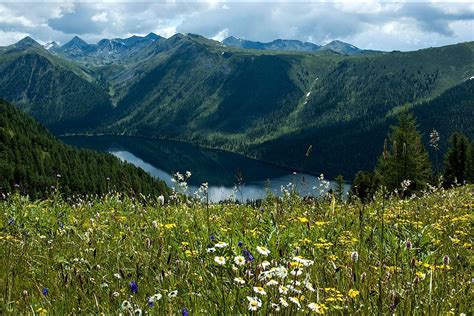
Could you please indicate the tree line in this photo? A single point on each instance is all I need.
(404, 167)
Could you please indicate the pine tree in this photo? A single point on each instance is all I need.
(457, 161)
(363, 186)
(404, 165)
(339, 190)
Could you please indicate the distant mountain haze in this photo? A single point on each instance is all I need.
(269, 101)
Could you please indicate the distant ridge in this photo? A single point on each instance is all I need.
(294, 45)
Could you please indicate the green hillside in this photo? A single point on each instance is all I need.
(54, 91)
(31, 160)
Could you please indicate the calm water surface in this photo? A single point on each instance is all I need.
(163, 158)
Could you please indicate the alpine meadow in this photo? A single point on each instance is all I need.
(236, 158)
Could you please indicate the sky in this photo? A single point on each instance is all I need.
(381, 25)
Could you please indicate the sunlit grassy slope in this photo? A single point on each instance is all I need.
(287, 256)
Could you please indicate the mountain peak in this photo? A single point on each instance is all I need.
(76, 41)
(153, 36)
(51, 45)
(27, 41)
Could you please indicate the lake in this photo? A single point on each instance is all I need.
(221, 170)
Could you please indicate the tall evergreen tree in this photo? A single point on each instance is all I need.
(457, 161)
(404, 165)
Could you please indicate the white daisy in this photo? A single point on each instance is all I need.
(283, 302)
(263, 250)
(259, 290)
(239, 280)
(219, 260)
(272, 283)
(295, 301)
(254, 303)
(239, 260)
(221, 245)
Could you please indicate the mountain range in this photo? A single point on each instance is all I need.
(269, 101)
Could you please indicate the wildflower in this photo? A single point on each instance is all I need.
(115, 294)
(155, 298)
(248, 256)
(126, 305)
(283, 302)
(295, 301)
(283, 289)
(296, 272)
(173, 294)
(353, 293)
(265, 264)
(212, 237)
(254, 303)
(281, 272)
(221, 245)
(239, 280)
(276, 307)
(212, 249)
(154, 224)
(219, 260)
(161, 199)
(45, 291)
(303, 261)
(309, 287)
(354, 256)
(185, 312)
(259, 290)
(446, 260)
(303, 220)
(263, 251)
(134, 287)
(149, 302)
(11, 221)
(408, 245)
(117, 275)
(239, 244)
(239, 260)
(138, 312)
(272, 283)
(317, 308)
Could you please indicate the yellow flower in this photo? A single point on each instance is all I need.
(170, 226)
(353, 293)
(303, 219)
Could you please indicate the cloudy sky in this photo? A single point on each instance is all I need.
(384, 25)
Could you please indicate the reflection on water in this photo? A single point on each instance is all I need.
(162, 159)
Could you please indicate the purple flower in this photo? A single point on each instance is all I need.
(185, 311)
(262, 209)
(45, 291)
(134, 287)
(239, 244)
(11, 221)
(248, 256)
(213, 238)
(150, 302)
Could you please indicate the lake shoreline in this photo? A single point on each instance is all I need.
(267, 162)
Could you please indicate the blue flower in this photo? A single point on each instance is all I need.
(239, 244)
(11, 221)
(213, 237)
(45, 291)
(248, 256)
(150, 302)
(185, 311)
(134, 287)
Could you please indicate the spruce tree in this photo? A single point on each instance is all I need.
(457, 161)
(404, 165)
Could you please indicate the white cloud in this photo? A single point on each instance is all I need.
(102, 17)
(221, 35)
(385, 25)
(7, 38)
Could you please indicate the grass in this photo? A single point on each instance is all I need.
(60, 256)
